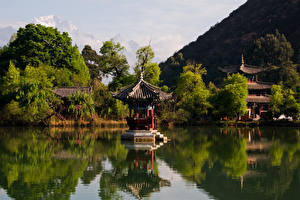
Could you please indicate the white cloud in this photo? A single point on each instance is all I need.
(79, 38)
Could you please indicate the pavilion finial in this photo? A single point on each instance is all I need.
(141, 75)
(243, 61)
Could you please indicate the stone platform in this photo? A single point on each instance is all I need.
(131, 145)
(143, 136)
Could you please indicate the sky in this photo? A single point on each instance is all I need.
(167, 25)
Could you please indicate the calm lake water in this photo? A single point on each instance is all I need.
(198, 163)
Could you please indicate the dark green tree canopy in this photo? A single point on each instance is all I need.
(113, 58)
(114, 63)
(92, 61)
(272, 49)
(36, 44)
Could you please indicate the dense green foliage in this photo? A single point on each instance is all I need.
(36, 44)
(92, 61)
(28, 95)
(38, 59)
(272, 49)
(284, 102)
(230, 100)
(195, 102)
(81, 105)
(115, 64)
(192, 92)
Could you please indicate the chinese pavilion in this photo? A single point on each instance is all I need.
(142, 99)
(258, 99)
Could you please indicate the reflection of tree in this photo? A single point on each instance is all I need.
(29, 171)
(230, 151)
(276, 174)
(202, 151)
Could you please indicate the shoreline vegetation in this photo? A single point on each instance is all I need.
(122, 123)
(94, 122)
(45, 80)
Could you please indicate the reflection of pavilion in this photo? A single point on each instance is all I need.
(142, 146)
(142, 176)
(257, 151)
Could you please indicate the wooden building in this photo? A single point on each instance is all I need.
(142, 99)
(63, 93)
(258, 99)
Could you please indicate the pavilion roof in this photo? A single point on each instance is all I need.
(67, 91)
(258, 99)
(251, 69)
(259, 85)
(141, 90)
(246, 69)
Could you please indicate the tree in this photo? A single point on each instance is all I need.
(289, 76)
(115, 64)
(113, 59)
(29, 96)
(92, 61)
(276, 100)
(290, 106)
(192, 93)
(36, 44)
(151, 71)
(272, 49)
(230, 100)
(103, 99)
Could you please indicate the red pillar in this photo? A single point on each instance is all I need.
(152, 156)
(152, 118)
(137, 114)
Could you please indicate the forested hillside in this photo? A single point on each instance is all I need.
(224, 43)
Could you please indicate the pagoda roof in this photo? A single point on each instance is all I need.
(257, 99)
(141, 90)
(259, 85)
(251, 69)
(244, 68)
(67, 91)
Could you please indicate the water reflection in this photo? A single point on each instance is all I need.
(137, 174)
(225, 163)
(239, 163)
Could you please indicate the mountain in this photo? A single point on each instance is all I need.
(5, 34)
(225, 42)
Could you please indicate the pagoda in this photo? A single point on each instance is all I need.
(259, 93)
(142, 99)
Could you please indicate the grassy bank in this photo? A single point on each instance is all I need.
(94, 121)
